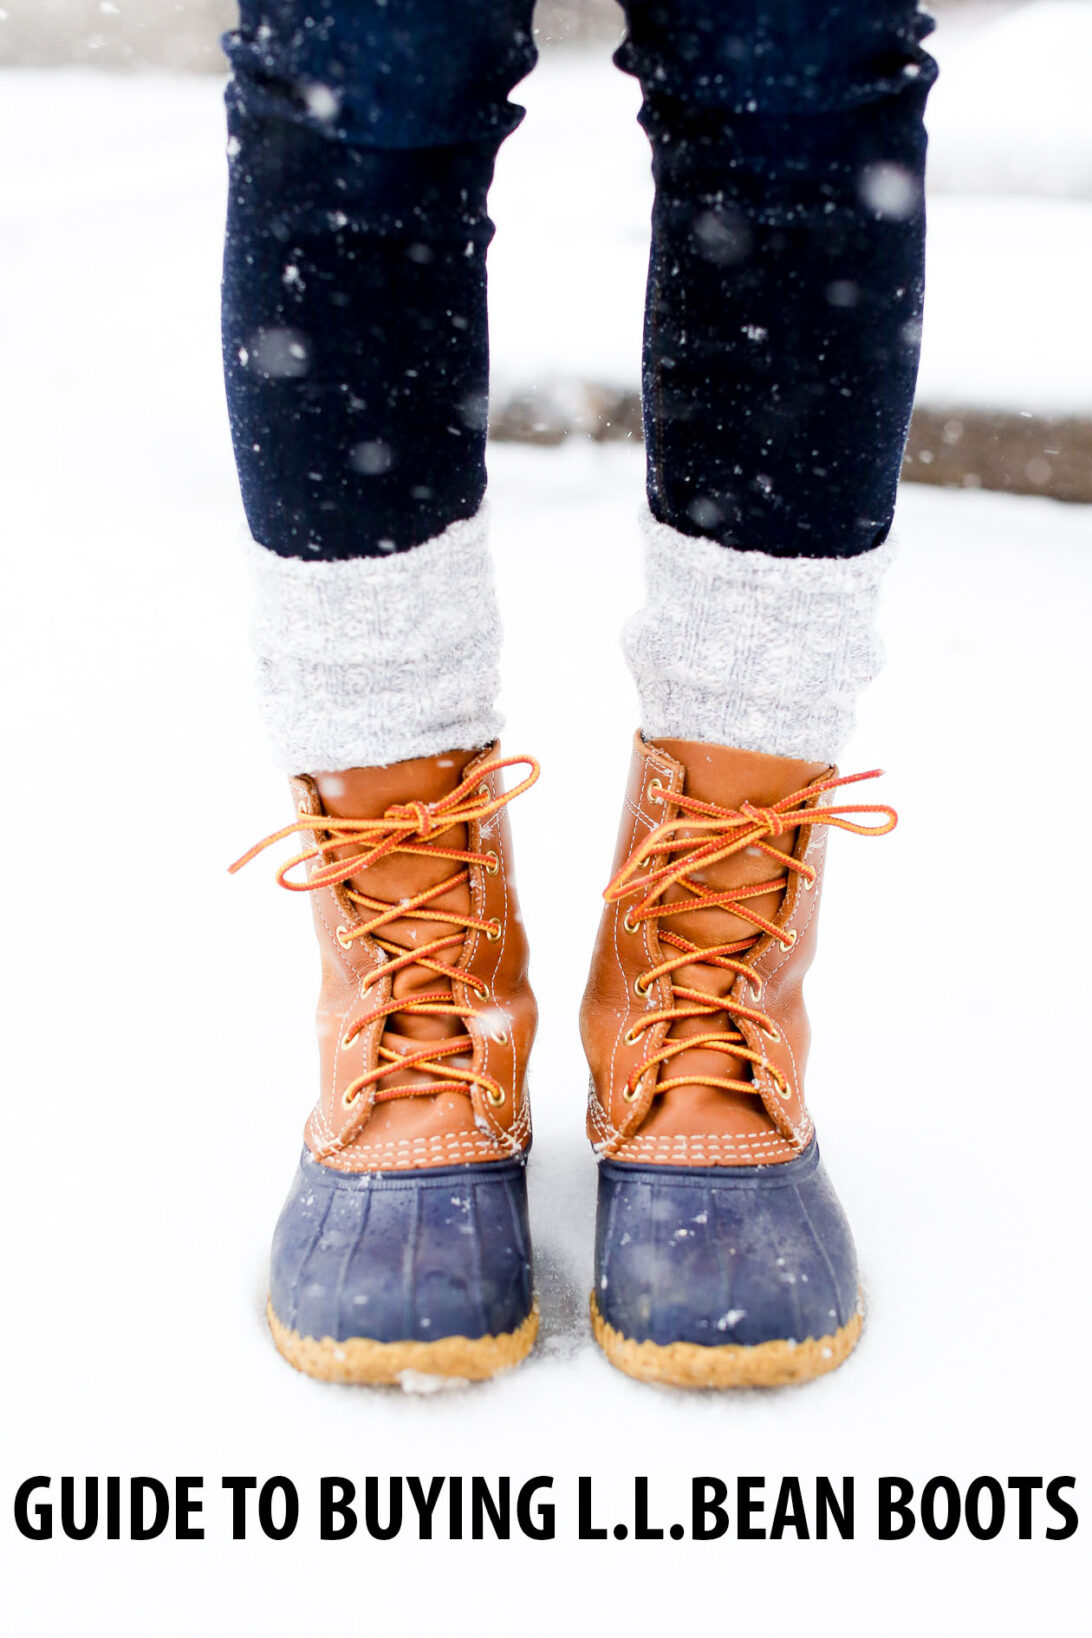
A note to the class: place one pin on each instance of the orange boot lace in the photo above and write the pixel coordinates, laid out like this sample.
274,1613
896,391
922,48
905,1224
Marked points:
717,833
409,828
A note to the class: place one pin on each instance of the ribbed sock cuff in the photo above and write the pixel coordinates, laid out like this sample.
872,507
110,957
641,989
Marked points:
764,653
373,660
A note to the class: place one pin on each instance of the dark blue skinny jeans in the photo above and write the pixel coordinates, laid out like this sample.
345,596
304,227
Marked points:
785,278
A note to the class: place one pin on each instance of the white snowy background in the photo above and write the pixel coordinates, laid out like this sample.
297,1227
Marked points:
157,1032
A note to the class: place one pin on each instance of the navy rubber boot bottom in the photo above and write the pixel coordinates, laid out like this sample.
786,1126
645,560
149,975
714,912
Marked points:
376,1275
724,1276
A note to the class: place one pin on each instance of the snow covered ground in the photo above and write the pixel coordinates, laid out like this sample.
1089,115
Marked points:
157,1043
1009,113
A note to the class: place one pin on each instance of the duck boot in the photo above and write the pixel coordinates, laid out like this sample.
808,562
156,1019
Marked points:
723,1257
404,1244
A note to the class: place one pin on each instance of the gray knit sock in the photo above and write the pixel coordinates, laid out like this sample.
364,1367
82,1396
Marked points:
374,660
764,653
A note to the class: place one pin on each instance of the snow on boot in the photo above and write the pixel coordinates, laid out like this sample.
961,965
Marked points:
403,1246
723,1257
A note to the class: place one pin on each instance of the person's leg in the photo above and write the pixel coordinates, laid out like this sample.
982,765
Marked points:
362,142
362,139
781,349
781,346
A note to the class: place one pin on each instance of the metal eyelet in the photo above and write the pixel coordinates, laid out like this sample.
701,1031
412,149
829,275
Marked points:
639,989
630,926
654,787
482,991
629,1095
787,943
493,931
342,936
347,1103
365,986
807,883
632,1036
770,1034
347,1040
500,1036
492,863
495,1101
483,791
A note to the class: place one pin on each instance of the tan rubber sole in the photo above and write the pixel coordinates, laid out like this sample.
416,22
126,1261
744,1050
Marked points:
731,1365
360,1359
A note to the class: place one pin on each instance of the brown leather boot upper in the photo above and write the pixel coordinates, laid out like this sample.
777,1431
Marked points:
424,959
677,1080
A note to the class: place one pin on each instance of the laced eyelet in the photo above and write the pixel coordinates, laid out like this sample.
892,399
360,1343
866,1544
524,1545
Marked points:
655,786
342,936
483,791
787,943
493,931
632,1036
365,986
629,1093
347,1041
640,989
784,1092
347,1102
492,863
500,1036
630,926
807,883
771,1034
496,1100
482,991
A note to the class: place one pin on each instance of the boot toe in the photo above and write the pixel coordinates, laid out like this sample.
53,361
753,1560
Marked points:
724,1274
373,1274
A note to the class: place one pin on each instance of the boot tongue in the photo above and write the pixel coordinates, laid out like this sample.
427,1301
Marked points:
727,777
367,793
